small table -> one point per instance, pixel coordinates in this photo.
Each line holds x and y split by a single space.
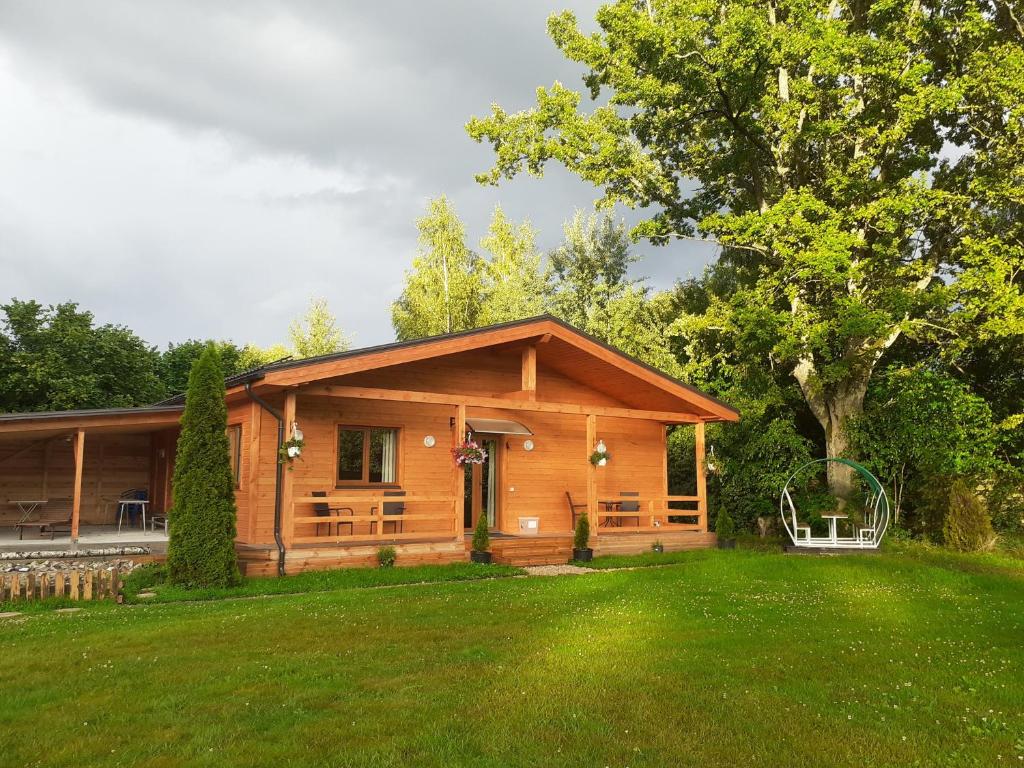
27 507
833 519
122 503
611 505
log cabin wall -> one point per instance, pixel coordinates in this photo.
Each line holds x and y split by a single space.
45 469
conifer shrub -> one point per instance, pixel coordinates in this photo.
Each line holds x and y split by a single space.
202 521
967 526
481 535
724 526
581 540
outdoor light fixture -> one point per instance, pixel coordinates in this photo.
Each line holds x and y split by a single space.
527 445
429 441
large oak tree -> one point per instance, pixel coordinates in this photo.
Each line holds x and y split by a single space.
860 160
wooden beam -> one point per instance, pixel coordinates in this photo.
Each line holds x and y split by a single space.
288 476
529 377
458 472
541 406
76 502
591 475
255 432
702 479
92 422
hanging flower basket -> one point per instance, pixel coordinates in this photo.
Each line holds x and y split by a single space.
469 453
290 450
599 458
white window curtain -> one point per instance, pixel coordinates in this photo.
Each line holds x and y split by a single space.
492 481
389 463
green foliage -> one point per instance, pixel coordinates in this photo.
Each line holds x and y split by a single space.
443 290
581 537
724 526
481 535
317 332
56 358
920 424
967 526
590 270
177 360
253 356
144 578
513 284
201 551
806 142
386 557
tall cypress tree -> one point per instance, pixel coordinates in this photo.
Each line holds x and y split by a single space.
201 551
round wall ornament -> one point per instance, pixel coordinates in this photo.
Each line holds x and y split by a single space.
429 441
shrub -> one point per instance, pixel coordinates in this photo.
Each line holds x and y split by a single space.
582 538
143 578
724 526
201 551
386 557
481 535
967 526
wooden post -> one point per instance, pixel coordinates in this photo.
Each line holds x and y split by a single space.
458 471
702 479
76 503
288 477
591 475
255 433
529 379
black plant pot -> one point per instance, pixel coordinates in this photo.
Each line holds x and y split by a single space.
480 557
658 548
583 555
727 543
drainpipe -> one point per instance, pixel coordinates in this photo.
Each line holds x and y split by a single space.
280 473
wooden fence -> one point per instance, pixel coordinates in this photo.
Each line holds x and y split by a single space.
94 584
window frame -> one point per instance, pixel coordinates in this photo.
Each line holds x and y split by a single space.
236 459
364 481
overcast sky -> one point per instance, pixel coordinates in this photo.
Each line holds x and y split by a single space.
198 170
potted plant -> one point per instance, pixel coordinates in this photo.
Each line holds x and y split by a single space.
290 450
481 542
600 456
580 549
469 452
725 529
657 547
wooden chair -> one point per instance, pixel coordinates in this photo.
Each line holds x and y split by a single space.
323 509
391 508
630 506
573 508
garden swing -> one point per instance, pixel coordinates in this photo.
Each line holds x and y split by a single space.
866 530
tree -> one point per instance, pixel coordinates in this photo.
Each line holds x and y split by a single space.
253 356
56 358
317 333
201 550
590 270
513 285
442 292
177 360
810 135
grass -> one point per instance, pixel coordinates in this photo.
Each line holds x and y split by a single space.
723 658
311 581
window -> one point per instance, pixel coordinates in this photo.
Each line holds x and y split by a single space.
367 455
235 453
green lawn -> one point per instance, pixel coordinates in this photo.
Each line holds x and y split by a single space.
723 658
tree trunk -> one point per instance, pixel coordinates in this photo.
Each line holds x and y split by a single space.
833 409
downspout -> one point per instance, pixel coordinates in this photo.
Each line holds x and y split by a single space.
280 473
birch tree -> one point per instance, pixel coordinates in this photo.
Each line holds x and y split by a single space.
443 289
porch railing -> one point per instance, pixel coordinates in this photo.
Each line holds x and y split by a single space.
445 521
654 513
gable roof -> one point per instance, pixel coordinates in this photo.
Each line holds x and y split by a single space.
288 373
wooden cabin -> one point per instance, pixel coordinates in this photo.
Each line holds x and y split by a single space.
378 429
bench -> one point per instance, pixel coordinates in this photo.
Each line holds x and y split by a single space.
48 522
